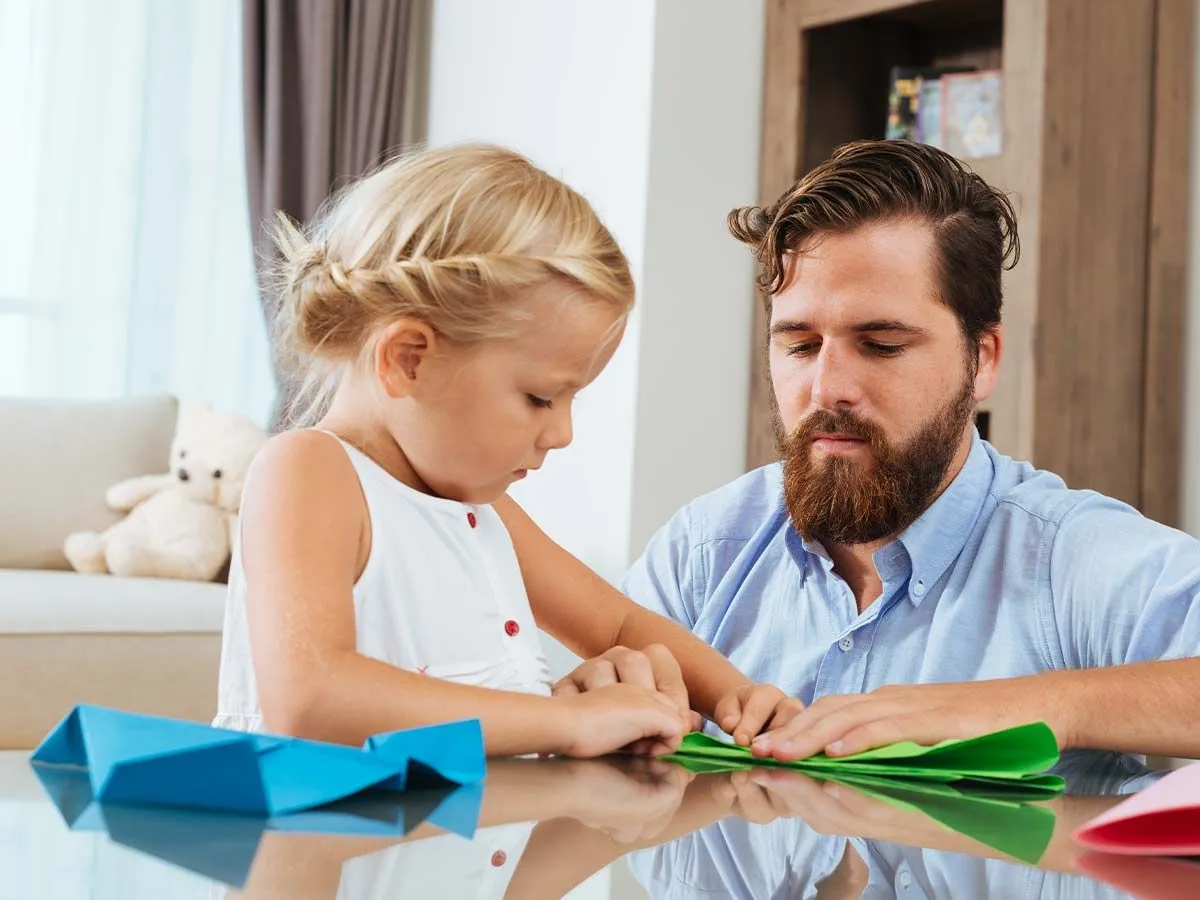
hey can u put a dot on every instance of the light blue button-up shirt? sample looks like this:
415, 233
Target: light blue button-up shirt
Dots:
1007, 573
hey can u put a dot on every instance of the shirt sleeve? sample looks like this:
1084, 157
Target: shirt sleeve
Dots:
1123, 588
661, 580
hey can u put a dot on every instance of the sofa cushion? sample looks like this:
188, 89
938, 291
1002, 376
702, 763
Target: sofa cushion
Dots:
57, 459
41, 602
46, 675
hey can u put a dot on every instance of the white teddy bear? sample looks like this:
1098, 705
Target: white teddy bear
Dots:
182, 524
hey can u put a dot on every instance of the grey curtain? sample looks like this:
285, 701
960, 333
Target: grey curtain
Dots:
328, 95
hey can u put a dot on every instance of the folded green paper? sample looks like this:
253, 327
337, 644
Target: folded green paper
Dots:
1020, 830
1015, 758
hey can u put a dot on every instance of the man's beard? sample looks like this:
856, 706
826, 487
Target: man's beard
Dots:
848, 501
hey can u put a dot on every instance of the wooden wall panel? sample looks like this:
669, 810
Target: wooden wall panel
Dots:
1089, 344
783, 92
1166, 267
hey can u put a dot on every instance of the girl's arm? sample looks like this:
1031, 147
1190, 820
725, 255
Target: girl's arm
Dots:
305, 540
590, 616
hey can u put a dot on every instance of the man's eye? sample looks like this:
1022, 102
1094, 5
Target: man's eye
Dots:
885, 349
539, 402
806, 349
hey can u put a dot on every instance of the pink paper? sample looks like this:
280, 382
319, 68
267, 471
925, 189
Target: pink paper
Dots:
1146, 879
1163, 820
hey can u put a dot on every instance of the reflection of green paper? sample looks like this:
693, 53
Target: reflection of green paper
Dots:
1016, 757
1017, 829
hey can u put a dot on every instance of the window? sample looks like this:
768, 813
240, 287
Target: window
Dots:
126, 262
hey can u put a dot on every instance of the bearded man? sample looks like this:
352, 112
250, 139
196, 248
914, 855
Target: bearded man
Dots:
894, 572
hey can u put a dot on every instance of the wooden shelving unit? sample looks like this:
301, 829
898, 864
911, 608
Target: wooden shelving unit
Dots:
1097, 111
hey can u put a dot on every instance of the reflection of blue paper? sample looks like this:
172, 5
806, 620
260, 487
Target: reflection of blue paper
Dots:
138, 759
222, 845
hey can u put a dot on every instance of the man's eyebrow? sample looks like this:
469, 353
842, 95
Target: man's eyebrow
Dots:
892, 325
789, 326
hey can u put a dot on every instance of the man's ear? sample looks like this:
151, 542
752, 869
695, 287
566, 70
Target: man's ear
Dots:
991, 349
401, 353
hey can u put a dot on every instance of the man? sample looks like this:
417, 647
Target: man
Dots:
895, 573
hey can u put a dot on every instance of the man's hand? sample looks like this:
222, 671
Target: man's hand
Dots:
653, 668
839, 725
762, 795
745, 712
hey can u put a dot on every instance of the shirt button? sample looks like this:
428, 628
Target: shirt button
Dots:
499, 858
471, 520
919, 588
846, 643
512, 628
905, 880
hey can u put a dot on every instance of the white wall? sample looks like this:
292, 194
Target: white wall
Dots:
694, 361
651, 109
545, 78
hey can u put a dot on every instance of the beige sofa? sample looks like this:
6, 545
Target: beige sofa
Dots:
139, 644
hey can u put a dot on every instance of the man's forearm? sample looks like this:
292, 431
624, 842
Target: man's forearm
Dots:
1151, 708
709, 676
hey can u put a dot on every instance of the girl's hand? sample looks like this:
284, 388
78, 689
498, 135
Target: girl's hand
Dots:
610, 718
629, 800
654, 668
754, 708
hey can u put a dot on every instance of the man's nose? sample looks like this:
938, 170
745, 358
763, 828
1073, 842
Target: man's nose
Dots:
835, 383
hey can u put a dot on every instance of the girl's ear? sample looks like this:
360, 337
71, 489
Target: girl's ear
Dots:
403, 349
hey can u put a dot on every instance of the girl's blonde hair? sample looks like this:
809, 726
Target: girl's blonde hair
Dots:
448, 236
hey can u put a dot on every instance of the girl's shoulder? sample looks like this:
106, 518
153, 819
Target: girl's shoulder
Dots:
303, 449
306, 464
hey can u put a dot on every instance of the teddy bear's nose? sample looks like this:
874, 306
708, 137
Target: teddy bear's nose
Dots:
183, 475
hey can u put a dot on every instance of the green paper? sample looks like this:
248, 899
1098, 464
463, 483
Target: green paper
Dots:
1017, 829
1015, 757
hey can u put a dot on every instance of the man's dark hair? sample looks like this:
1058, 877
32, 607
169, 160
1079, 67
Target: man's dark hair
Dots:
974, 225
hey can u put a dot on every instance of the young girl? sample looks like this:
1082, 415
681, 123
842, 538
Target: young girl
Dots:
447, 308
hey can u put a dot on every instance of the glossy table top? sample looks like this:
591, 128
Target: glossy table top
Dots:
616, 828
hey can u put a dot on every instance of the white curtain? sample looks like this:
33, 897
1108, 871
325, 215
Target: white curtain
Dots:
125, 255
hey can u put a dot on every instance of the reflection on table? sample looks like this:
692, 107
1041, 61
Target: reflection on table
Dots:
541, 828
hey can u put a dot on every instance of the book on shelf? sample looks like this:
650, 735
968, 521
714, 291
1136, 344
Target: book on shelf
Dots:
956, 109
972, 115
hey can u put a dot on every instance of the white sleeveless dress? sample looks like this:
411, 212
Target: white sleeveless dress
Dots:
441, 594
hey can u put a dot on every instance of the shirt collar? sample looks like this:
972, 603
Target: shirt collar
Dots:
937, 537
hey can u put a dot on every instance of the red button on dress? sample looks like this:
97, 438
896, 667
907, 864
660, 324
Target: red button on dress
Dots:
499, 858
471, 520
511, 627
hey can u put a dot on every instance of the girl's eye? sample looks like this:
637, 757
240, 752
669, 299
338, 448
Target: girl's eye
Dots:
539, 402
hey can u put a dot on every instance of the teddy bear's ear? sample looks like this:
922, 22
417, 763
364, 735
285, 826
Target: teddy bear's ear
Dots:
192, 414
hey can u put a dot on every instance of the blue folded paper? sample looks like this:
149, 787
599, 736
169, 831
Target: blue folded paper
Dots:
222, 846
151, 760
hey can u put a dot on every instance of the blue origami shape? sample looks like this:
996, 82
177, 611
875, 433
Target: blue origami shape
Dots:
222, 846
150, 760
